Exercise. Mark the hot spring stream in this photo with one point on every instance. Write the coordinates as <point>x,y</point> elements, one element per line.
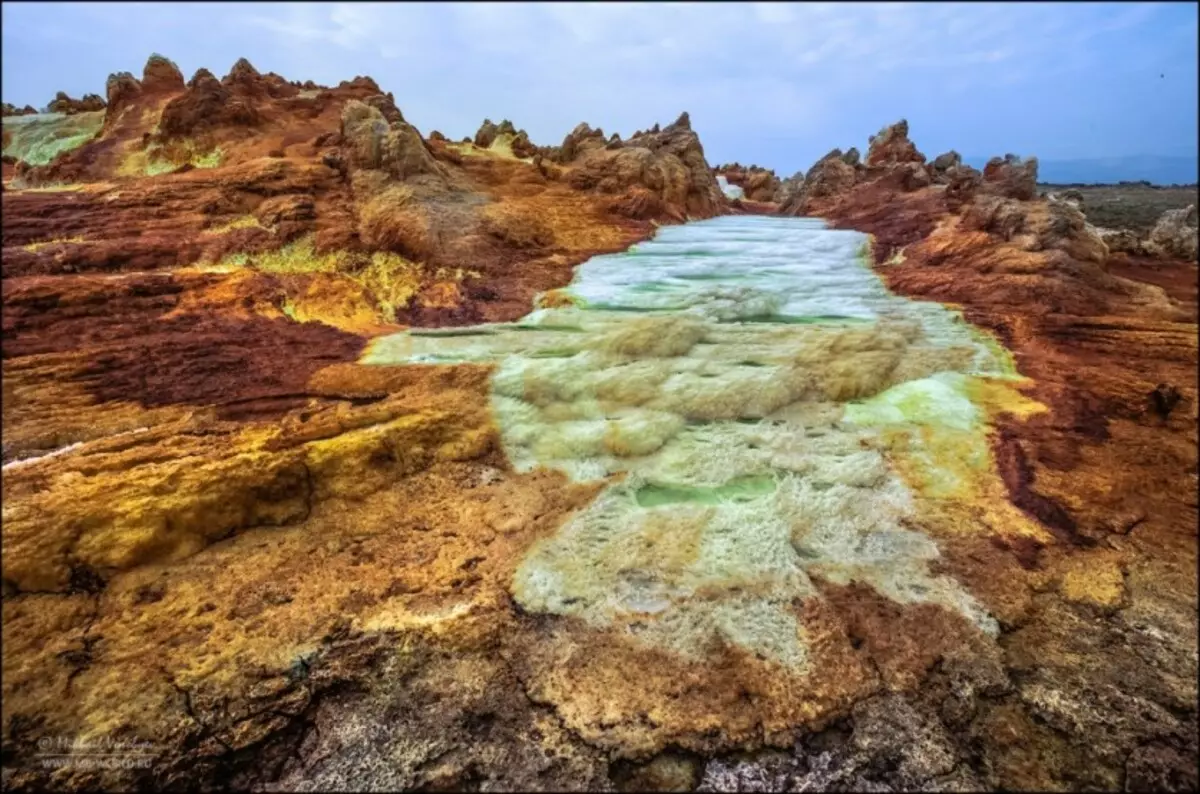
<point>770,411</point>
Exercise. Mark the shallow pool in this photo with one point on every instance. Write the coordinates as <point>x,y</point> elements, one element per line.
<point>763,408</point>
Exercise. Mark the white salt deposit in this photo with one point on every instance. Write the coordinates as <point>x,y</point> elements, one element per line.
<point>739,371</point>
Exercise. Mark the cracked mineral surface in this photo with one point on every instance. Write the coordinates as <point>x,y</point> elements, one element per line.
<point>341,457</point>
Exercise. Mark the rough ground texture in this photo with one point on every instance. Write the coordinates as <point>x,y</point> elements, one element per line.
<point>69,106</point>
<point>1138,219</point>
<point>276,568</point>
<point>13,110</point>
<point>759,184</point>
<point>1098,686</point>
<point>1128,205</point>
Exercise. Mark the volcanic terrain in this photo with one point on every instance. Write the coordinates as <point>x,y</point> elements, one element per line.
<point>339,455</point>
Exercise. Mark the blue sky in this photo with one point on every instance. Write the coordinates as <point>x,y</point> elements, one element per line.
<point>771,83</point>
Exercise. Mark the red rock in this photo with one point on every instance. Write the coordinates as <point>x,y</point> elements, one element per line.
<point>243,492</point>
<point>12,110</point>
<point>65,104</point>
<point>1011,177</point>
<point>485,135</point>
<point>579,141</point>
<point>830,176</point>
<point>757,184</point>
<point>386,105</point>
<point>161,76</point>
<point>670,163</point>
<point>121,89</point>
<point>243,76</point>
<point>361,84</point>
<point>892,147</point>
<point>205,104</point>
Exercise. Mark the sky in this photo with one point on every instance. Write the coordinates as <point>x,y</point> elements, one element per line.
<point>774,84</point>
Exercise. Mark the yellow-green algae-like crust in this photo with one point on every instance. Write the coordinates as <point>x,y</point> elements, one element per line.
<point>38,139</point>
<point>768,417</point>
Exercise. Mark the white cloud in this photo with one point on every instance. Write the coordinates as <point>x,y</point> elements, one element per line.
<point>770,68</point>
<point>593,42</point>
<point>776,67</point>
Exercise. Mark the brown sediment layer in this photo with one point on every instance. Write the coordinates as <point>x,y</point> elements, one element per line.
<point>760,185</point>
<point>285,569</point>
<point>1109,344</point>
<point>212,515</point>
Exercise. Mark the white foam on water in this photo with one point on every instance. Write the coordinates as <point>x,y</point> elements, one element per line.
<point>740,371</point>
<point>730,191</point>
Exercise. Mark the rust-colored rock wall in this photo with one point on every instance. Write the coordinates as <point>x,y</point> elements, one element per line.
<point>185,298</point>
<point>757,184</point>
<point>227,537</point>
<point>1110,344</point>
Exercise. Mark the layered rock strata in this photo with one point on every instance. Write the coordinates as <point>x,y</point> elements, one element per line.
<point>299,495</point>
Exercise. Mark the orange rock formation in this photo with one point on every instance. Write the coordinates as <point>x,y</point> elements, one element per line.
<point>758,184</point>
<point>270,565</point>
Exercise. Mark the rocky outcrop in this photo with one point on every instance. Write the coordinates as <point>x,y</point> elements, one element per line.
<point>386,105</point>
<point>670,163</point>
<point>761,184</point>
<point>1000,202</point>
<point>234,531</point>
<point>894,162</point>
<point>1070,196</point>
<point>1011,177</point>
<point>829,176</point>
<point>225,149</point>
<point>362,84</point>
<point>579,142</point>
<point>65,104</point>
<point>909,176</point>
<point>962,183</point>
<point>247,82</point>
<point>161,76</point>
<point>1135,226</point>
<point>13,110</point>
<point>486,134</point>
<point>1174,235</point>
<point>942,165</point>
<point>1124,241</point>
<point>789,188</point>
<point>121,89</point>
<point>371,142</point>
<point>206,103</point>
<point>757,184</point>
<point>1106,342</point>
<point>892,147</point>
<point>517,141</point>
<point>243,76</point>
<point>521,145</point>
<point>1053,225</point>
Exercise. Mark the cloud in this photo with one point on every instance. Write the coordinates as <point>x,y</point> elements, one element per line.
<point>600,43</point>
<point>811,73</point>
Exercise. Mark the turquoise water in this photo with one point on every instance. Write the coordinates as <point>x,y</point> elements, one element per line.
<point>731,380</point>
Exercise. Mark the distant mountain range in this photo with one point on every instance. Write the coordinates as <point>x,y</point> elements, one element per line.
<point>1110,170</point>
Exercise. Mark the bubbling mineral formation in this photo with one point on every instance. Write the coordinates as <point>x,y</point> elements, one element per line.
<point>763,409</point>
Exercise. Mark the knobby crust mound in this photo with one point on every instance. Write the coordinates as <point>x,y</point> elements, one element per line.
<point>232,544</point>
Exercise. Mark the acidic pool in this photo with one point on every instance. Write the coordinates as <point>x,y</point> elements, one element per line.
<point>763,409</point>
